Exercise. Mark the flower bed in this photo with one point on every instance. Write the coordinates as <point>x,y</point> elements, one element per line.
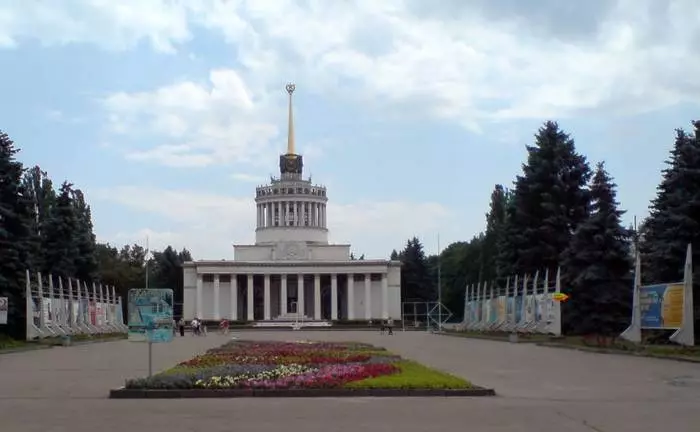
<point>253,368</point>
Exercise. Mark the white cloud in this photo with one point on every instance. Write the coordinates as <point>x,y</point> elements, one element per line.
<point>249,178</point>
<point>459,62</point>
<point>208,224</point>
<point>113,25</point>
<point>196,124</point>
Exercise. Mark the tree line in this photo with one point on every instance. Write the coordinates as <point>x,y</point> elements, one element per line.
<point>561,211</point>
<point>50,230</point>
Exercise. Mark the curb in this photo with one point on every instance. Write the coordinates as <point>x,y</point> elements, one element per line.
<point>124,393</point>
<point>620,352</point>
<point>25,349</point>
<point>491,338</point>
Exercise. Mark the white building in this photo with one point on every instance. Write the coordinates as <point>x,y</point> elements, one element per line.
<point>292,272</point>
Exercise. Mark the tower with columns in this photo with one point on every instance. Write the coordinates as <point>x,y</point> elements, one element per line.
<point>292,272</point>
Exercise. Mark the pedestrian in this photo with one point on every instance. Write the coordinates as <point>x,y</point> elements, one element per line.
<point>390,326</point>
<point>181,326</point>
<point>195,327</point>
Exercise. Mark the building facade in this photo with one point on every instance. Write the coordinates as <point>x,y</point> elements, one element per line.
<point>292,273</point>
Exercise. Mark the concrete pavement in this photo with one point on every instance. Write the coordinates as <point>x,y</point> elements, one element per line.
<point>540,389</point>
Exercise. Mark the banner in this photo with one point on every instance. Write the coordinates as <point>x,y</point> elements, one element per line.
<point>150,315</point>
<point>3,310</point>
<point>661,306</point>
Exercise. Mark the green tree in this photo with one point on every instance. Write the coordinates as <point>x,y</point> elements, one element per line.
<point>598,263</point>
<point>496,220</point>
<point>16,218</point>
<point>416,284</point>
<point>460,264</point>
<point>42,196</point>
<point>674,219</point>
<point>86,258</point>
<point>61,247</point>
<point>550,200</point>
<point>394,255</point>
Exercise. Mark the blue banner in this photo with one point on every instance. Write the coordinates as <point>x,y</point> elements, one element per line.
<point>150,315</point>
<point>661,306</point>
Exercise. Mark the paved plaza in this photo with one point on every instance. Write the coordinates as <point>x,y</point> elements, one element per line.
<point>540,390</point>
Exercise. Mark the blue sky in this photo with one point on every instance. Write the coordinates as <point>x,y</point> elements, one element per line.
<point>168,113</point>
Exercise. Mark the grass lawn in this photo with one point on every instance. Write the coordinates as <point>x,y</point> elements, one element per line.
<point>412,375</point>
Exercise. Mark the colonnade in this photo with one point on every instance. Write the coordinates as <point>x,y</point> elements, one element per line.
<point>291,213</point>
<point>284,298</point>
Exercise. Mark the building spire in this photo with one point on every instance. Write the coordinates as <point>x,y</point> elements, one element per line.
<point>290,134</point>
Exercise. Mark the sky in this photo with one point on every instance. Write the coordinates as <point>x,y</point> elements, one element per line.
<point>168,113</point>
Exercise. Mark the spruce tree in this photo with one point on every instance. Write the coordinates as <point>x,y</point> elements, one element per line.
<point>86,258</point>
<point>550,201</point>
<point>61,231</point>
<point>598,264</point>
<point>674,219</point>
<point>15,235</point>
<point>495,231</point>
<point>42,195</point>
<point>416,283</point>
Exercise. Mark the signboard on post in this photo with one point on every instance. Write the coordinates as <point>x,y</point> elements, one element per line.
<point>4,303</point>
<point>150,315</point>
<point>661,306</point>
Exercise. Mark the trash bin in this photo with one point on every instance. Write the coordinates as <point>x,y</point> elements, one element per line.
<point>65,340</point>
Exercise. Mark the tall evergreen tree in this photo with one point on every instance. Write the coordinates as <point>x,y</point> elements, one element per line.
<point>550,200</point>
<point>15,234</point>
<point>86,258</point>
<point>674,219</point>
<point>61,241</point>
<point>416,284</point>
<point>43,197</point>
<point>495,231</point>
<point>598,264</point>
<point>506,255</point>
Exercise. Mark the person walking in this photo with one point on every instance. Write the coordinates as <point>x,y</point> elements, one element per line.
<point>195,327</point>
<point>181,326</point>
<point>390,326</point>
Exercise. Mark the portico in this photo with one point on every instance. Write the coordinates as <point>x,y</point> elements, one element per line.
<point>310,292</point>
<point>292,272</point>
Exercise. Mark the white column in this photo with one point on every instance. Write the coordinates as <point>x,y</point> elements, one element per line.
<point>334,296</point>
<point>317,296</point>
<point>368,297</point>
<point>385,296</point>
<point>257,210</point>
<point>266,297</point>
<point>217,305</point>
<point>351,296</point>
<point>286,213</point>
<point>323,213</point>
<point>300,294</point>
<point>314,212</point>
<point>296,213</point>
<point>198,298</point>
<point>283,295</point>
<point>269,214</point>
<point>234,297</point>
<point>251,315</point>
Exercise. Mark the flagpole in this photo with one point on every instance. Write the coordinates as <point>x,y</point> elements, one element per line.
<point>439,285</point>
<point>147,260</point>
